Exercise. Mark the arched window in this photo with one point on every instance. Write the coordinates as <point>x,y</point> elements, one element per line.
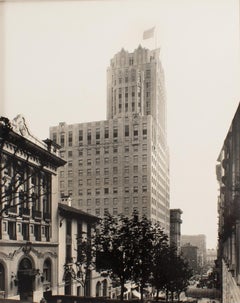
<point>98,289</point>
<point>2,278</point>
<point>47,271</point>
<point>104,284</point>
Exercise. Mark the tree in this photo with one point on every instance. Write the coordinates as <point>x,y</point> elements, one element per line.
<point>171,272</point>
<point>112,242</point>
<point>125,248</point>
<point>147,241</point>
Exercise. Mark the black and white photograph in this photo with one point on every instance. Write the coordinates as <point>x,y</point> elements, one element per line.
<point>120,151</point>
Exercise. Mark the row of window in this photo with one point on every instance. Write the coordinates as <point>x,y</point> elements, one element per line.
<point>106,160</point>
<point>91,151</point>
<point>40,232</point>
<point>98,134</point>
<point>114,201</point>
<point>115,211</point>
<point>106,181</point>
<point>107,190</point>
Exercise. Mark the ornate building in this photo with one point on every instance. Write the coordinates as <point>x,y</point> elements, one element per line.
<point>121,164</point>
<point>28,212</point>
<point>228,176</point>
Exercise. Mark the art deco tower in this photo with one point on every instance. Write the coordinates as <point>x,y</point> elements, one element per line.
<point>122,164</point>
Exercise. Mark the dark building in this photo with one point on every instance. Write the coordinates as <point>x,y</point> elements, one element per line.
<point>228,176</point>
<point>175,228</point>
<point>190,253</point>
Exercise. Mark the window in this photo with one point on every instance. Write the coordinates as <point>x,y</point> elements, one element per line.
<point>135,168</point>
<point>70,173</point>
<point>135,130</point>
<point>69,153</point>
<point>97,133</point>
<point>62,140</point>
<point>89,172</point>
<point>106,133</point>
<point>62,154</point>
<point>106,170</point>
<point>115,190</point>
<point>70,183</point>
<point>144,147</point>
<point>126,158</point>
<point>106,190</point>
<point>144,168</point>
<point>115,149</point>
<point>80,135</point>
<point>115,159</point>
<point>97,201</point>
<point>126,189</point>
<point>135,179</point>
<point>106,201</point>
<point>47,271</point>
<point>106,180</point>
<point>126,210</point>
<point>106,160</point>
<point>115,211</point>
<point>106,150</point>
<point>12,230</point>
<point>89,182</point>
<point>115,132</point>
<point>61,174</point>
<point>80,162</point>
<point>144,199</point>
<point>97,161</point>
<point>89,152</point>
<point>135,158</point>
<point>126,180</point>
<point>80,152</point>
<point>88,191</point>
<point>89,136</point>
<point>135,200</point>
<point>144,157</point>
<point>126,169</point>
<point>70,164</point>
<point>144,189</point>
<point>126,200</point>
<point>70,139</point>
<point>97,151</point>
<point>97,211</point>
<point>80,172</point>
<point>115,180</point>
<point>115,201</point>
<point>89,161</point>
<point>115,170</point>
<point>80,182</point>
<point>80,192</point>
<point>126,149</point>
<point>97,191</point>
<point>97,171</point>
<point>135,189</point>
<point>126,130</point>
<point>89,202</point>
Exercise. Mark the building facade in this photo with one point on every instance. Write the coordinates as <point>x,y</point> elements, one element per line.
<point>76,272</point>
<point>200,242</point>
<point>190,253</point>
<point>175,228</point>
<point>228,176</point>
<point>121,164</point>
<point>28,212</point>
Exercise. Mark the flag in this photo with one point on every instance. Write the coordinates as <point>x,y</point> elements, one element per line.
<point>148,33</point>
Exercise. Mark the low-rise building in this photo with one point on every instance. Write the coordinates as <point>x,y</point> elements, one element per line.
<point>28,212</point>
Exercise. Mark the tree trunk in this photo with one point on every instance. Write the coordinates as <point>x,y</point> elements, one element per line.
<point>141,292</point>
<point>166,295</point>
<point>122,290</point>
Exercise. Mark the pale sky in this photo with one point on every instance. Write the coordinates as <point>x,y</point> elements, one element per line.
<point>55,55</point>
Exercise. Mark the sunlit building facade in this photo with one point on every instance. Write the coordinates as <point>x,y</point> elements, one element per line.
<point>121,164</point>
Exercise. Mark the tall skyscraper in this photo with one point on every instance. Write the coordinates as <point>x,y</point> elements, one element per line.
<point>121,164</point>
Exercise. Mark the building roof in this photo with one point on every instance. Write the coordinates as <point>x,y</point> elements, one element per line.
<point>72,212</point>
